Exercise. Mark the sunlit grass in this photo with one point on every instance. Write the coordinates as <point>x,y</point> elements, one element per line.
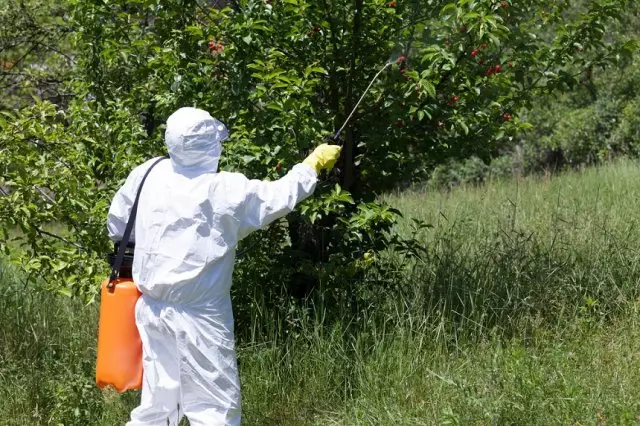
<point>523,311</point>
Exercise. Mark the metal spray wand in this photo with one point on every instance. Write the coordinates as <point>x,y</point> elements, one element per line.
<point>373,80</point>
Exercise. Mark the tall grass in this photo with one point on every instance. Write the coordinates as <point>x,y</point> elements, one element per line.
<point>522,311</point>
<point>541,247</point>
<point>586,373</point>
<point>47,357</point>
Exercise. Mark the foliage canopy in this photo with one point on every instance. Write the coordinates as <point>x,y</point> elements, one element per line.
<point>282,74</point>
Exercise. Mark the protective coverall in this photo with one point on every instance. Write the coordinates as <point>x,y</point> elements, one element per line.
<point>189,221</point>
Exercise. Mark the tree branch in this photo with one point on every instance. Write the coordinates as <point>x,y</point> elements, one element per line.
<point>58,237</point>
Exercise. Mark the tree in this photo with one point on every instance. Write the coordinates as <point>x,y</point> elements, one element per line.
<point>283,74</point>
<point>34,51</point>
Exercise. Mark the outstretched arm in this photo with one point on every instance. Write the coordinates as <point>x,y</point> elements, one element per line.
<point>267,201</point>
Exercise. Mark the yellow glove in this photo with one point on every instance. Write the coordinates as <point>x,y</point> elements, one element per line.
<point>323,157</point>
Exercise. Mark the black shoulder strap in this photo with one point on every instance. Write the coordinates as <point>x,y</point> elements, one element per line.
<point>115,270</point>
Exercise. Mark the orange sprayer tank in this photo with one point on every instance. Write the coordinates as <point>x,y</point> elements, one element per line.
<point>119,362</point>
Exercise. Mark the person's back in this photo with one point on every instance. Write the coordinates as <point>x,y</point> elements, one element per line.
<point>190,219</point>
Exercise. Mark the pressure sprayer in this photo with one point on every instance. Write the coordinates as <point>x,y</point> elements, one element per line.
<point>119,361</point>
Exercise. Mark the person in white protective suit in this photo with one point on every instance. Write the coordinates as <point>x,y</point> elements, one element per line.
<point>189,222</point>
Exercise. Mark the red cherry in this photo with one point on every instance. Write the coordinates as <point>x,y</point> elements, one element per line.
<point>490,71</point>
<point>475,52</point>
<point>402,71</point>
<point>498,68</point>
<point>401,59</point>
<point>504,4</point>
<point>392,4</point>
<point>484,45</point>
<point>278,166</point>
<point>215,47</point>
<point>507,116</point>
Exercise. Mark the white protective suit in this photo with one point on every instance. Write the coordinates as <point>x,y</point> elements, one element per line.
<point>189,221</point>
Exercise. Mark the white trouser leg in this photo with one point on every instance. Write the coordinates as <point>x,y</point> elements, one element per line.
<point>160,400</point>
<point>209,379</point>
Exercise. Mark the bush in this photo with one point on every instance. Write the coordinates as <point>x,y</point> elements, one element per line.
<point>502,167</point>
<point>472,171</point>
<point>591,125</point>
<point>626,136</point>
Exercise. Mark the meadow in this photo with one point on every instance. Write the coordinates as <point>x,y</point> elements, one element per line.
<point>524,310</point>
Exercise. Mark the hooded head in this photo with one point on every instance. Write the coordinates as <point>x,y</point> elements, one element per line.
<point>194,139</point>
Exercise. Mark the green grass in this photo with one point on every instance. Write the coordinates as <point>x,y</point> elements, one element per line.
<point>538,247</point>
<point>47,358</point>
<point>584,374</point>
<point>523,311</point>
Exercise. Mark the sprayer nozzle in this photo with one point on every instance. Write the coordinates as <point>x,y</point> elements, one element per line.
<point>397,58</point>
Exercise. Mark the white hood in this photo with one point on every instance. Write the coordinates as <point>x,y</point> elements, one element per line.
<point>194,139</point>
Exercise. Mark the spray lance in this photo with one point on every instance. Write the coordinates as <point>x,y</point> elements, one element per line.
<point>336,136</point>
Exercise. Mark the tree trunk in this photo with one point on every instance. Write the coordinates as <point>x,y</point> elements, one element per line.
<point>349,149</point>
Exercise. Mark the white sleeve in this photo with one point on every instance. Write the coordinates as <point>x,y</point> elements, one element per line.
<point>265,201</point>
<point>122,202</point>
